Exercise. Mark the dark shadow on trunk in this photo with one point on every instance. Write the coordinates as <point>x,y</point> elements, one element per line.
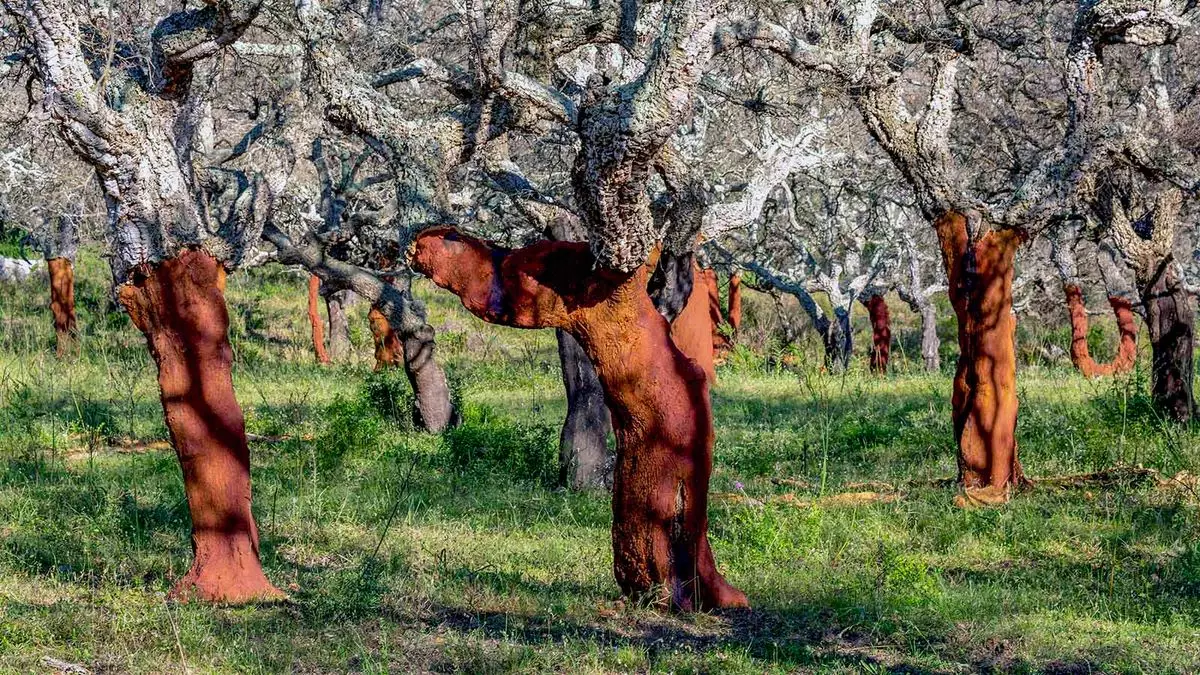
<point>1170,318</point>
<point>980,270</point>
<point>180,308</point>
<point>584,461</point>
<point>658,396</point>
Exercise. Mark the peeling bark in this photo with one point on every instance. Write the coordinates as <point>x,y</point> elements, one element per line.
<point>661,411</point>
<point>1080,355</point>
<point>985,403</point>
<point>178,306</point>
<point>314,320</point>
<point>881,334</point>
<point>62,305</point>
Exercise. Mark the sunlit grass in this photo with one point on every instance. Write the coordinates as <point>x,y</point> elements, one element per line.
<point>483,566</point>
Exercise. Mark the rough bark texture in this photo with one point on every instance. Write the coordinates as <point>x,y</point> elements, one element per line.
<point>881,334</point>
<point>339,324</point>
<point>584,462</point>
<point>931,344</point>
<point>693,331</point>
<point>314,319</point>
<point>389,351</point>
<point>62,304</point>
<point>179,307</point>
<point>985,384</point>
<point>838,340</point>
<point>673,283</point>
<point>734,315</point>
<point>658,397</point>
<point>1170,318</point>
<point>1080,354</point>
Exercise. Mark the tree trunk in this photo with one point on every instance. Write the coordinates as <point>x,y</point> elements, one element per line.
<point>339,325</point>
<point>314,319</point>
<point>1081,355</point>
<point>838,341</point>
<point>583,457</point>
<point>389,352</point>
<point>1170,318</point>
<point>931,344</point>
<point>658,397</point>
<point>734,315</point>
<point>881,334</point>
<point>62,305</point>
<point>180,309</point>
<point>985,384</point>
<point>712,286</point>
<point>692,331</point>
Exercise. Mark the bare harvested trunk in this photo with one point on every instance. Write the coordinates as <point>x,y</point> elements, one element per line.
<point>985,383</point>
<point>881,334</point>
<point>658,397</point>
<point>1081,355</point>
<point>692,331</point>
<point>583,459</point>
<point>179,307</point>
<point>1171,319</point>
<point>62,304</point>
<point>734,315</point>
<point>720,343</point>
<point>339,325</point>
<point>389,352</point>
<point>314,319</point>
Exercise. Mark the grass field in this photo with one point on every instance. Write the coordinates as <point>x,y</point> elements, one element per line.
<point>408,552</point>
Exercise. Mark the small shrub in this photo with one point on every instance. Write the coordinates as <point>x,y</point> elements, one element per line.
<point>487,444</point>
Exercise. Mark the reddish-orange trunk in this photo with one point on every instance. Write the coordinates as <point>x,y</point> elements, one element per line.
<point>985,384</point>
<point>62,304</point>
<point>1081,355</point>
<point>712,287</point>
<point>314,319</point>
<point>389,350</point>
<point>179,307</point>
<point>881,333</point>
<point>659,399</point>
<point>692,330</point>
<point>734,315</point>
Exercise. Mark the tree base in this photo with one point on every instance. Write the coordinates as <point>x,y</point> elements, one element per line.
<point>226,571</point>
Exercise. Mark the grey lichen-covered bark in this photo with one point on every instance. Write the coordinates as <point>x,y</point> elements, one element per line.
<point>143,149</point>
<point>584,458</point>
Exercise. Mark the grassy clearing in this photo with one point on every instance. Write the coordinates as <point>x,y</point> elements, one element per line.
<point>486,568</point>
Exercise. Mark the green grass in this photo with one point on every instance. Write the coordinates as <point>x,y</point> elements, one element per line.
<point>486,568</point>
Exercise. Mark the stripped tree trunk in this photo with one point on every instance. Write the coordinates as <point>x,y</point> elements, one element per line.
<point>881,334</point>
<point>658,396</point>
<point>179,307</point>
<point>692,330</point>
<point>314,319</point>
<point>734,315</point>
<point>1081,355</point>
<point>62,305</point>
<point>583,457</point>
<point>720,343</point>
<point>339,325</point>
<point>389,352</point>
<point>1170,317</point>
<point>980,269</point>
